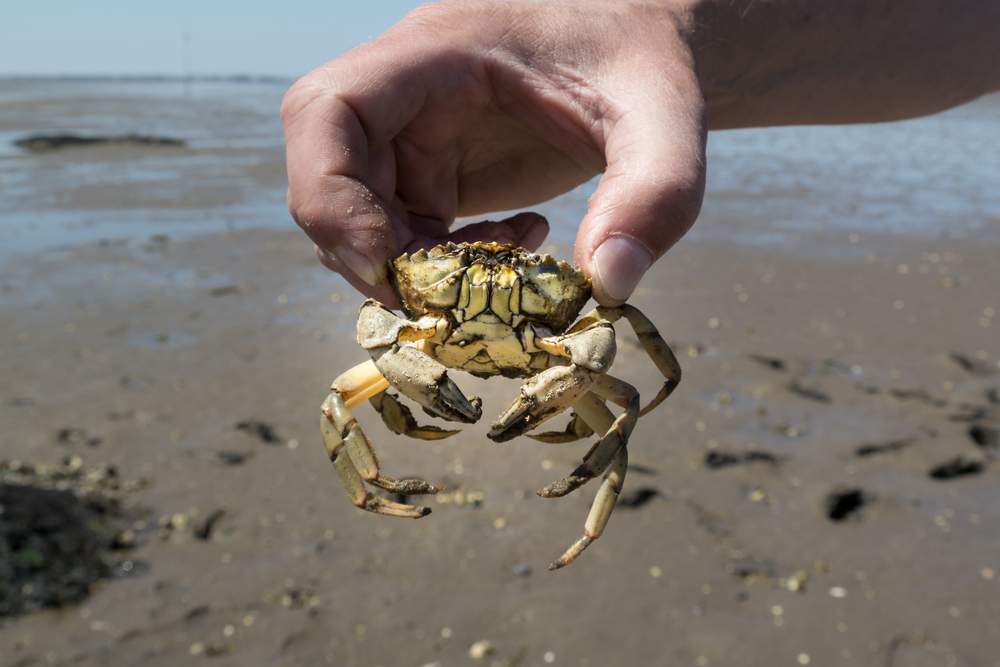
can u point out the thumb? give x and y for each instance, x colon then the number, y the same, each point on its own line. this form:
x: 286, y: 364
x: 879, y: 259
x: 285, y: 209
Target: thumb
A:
x: 649, y: 196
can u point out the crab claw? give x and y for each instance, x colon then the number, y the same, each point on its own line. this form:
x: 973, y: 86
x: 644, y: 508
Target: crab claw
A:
x: 424, y: 380
x: 542, y: 396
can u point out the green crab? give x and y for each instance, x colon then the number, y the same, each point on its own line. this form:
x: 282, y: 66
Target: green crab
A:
x: 490, y: 309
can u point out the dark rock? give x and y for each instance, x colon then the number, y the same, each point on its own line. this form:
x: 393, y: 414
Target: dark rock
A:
x: 203, y: 530
x: 50, y: 554
x: 262, y: 430
x: 50, y: 142
x: 637, y: 498
x: 774, y: 363
x: 883, y: 447
x: 957, y: 467
x: 842, y: 505
x: 974, y: 366
x: 716, y: 460
x: 985, y: 436
x: 233, y: 458
x: 810, y: 393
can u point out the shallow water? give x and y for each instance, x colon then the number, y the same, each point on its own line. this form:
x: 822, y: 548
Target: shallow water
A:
x: 229, y: 173
x: 934, y: 176
x: 928, y: 176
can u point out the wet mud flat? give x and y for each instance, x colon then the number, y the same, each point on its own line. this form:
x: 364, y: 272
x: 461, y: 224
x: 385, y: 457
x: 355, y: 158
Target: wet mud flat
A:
x: 821, y: 489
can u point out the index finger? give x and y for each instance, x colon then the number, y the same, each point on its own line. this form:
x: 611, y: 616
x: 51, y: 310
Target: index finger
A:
x: 338, y: 122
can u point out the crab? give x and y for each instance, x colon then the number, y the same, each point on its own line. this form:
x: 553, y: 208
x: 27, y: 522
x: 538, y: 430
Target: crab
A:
x: 491, y: 309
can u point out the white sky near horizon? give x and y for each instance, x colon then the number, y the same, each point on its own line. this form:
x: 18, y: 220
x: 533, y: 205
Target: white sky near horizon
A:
x: 114, y: 37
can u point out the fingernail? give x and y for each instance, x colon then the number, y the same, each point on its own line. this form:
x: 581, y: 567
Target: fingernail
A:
x: 621, y: 262
x: 366, y: 269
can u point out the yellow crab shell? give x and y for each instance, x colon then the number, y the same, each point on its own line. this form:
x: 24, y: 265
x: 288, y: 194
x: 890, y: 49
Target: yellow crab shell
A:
x: 480, y: 280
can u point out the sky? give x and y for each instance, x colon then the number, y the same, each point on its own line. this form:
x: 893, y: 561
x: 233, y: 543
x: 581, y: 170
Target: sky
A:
x: 255, y: 37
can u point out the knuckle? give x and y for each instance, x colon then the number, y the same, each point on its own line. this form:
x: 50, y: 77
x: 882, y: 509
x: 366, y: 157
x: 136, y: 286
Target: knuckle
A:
x: 306, y: 207
x: 303, y: 93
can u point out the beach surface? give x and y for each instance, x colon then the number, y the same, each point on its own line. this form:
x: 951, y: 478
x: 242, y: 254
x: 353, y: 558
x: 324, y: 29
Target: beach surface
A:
x: 822, y: 489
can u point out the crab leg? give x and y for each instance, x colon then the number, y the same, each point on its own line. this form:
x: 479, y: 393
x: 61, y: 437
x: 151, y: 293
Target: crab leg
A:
x: 651, y: 341
x: 612, y: 447
x: 351, y: 453
x: 600, y: 511
x: 616, y: 431
x: 591, y: 352
x: 360, y: 383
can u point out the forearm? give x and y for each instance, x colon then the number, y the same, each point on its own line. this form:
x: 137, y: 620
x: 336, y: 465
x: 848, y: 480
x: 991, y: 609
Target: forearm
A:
x: 784, y: 62
x: 777, y: 62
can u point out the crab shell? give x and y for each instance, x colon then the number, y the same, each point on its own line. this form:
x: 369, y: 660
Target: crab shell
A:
x: 470, y: 279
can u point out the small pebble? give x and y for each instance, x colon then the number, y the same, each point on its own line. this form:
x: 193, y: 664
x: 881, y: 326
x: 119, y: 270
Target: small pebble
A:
x: 124, y: 540
x: 797, y: 582
x: 481, y: 649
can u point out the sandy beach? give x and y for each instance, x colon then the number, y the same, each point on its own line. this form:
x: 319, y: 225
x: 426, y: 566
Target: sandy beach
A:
x: 822, y: 489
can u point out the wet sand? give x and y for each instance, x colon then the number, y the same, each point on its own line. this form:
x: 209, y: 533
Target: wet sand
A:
x: 726, y: 506
x: 821, y: 489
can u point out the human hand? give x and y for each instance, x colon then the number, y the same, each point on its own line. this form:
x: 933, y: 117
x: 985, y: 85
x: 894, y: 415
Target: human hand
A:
x: 467, y: 107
